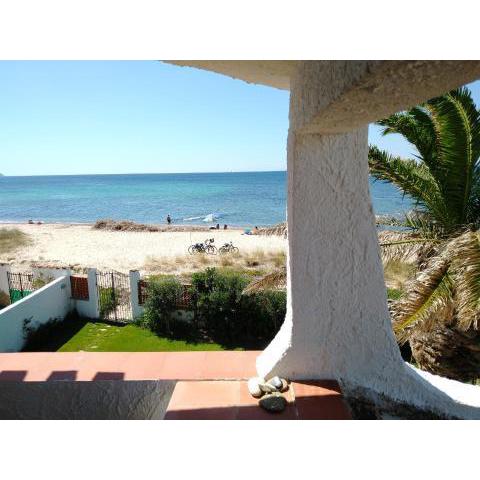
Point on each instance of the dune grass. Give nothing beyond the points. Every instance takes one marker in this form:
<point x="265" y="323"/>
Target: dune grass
<point x="258" y="261"/>
<point x="12" y="238"/>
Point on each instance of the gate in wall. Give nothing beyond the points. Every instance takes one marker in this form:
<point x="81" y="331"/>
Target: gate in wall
<point x="20" y="285"/>
<point x="114" y="296"/>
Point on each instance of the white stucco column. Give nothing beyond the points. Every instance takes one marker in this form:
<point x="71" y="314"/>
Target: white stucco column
<point x="91" y="308"/>
<point x="337" y="311"/>
<point x="134" y="278"/>
<point x="337" y="324"/>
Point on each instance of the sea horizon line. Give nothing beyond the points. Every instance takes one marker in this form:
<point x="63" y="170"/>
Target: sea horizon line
<point x="139" y="173"/>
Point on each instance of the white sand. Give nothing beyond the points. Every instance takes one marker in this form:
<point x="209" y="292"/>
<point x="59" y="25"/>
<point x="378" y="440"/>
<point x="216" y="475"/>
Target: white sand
<point x="80" y="246"/>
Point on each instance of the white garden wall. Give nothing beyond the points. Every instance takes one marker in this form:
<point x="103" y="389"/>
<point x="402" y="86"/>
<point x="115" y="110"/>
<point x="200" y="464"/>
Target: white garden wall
<point x="49" y="302"/>
<point x="89" y="308"/>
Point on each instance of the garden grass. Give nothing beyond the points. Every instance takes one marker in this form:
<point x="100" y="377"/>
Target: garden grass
<point x="105" y="337"/>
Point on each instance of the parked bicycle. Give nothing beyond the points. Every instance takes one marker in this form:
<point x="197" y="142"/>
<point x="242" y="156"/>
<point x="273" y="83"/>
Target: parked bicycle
<point x="228" y="248"/>
<point x="206" y="247"/>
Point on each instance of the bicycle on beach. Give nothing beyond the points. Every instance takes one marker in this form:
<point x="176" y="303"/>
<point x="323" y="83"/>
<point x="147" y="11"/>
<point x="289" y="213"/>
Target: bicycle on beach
<point x="228" y="248"/>
<point x="205" y="247"/>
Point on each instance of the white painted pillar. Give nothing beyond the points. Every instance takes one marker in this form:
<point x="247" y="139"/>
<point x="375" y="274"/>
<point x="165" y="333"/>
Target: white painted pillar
<point x="337" y="324"/>
<point x="91" y="308"/>
<point x="137" y="309"/>
<point x="337" y="311"/>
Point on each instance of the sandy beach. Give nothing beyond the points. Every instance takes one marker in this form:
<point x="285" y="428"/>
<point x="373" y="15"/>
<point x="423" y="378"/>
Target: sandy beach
<point x="81" y="246"/>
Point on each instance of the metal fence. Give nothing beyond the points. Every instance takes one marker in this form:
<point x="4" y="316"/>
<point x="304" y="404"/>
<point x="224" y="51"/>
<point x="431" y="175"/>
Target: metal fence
<point x="184" y="300"/>
<point x="114" y="297"/>
<point x="20" y="285"/>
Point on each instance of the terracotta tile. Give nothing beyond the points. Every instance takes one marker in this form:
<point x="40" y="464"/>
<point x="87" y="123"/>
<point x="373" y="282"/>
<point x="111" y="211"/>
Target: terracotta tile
<point x="307" y="388"/>
<point x="322" y="408"/>
<point x="144" y="366"/>
<point x="228" y="413"/>
<point x="220" y="400"/>
<point x="204" y="394"/>
<point x="229" y="365"/>
<point x="319" y="400"/>
<point x="183" y="365"/>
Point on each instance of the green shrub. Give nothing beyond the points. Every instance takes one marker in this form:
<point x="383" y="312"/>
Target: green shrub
<point x="162" y="296"/>
<point x="233" y="319"/>
<point x="106" y="300"/>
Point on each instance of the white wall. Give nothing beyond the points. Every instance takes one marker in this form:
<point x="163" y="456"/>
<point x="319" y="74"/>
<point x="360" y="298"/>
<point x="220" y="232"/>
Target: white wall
<point x="89" y="308"/>
<point x="49" y="302"/>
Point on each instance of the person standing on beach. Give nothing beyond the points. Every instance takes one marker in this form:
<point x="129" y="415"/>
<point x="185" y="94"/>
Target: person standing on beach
<point x="169" y="219"/>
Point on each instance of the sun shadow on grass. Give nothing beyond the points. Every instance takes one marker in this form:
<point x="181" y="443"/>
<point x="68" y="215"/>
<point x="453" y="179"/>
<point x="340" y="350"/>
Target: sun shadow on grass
<point x="60" y="333"/>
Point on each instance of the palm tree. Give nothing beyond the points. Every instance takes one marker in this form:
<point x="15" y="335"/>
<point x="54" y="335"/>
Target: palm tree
<point x="439" y="315"/>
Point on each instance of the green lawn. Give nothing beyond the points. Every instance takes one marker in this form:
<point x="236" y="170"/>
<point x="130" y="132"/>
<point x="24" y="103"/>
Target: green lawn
<point x="74" y="335"/>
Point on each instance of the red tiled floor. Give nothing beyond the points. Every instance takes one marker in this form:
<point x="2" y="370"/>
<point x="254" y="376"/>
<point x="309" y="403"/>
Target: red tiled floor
<point x="228" y="400"/>
<point x="319" y="400"/>
<point x="38" y="366"/>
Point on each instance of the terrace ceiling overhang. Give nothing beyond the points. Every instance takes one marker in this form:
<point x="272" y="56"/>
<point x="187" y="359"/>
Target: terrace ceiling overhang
<point x="366" y="90"/>
<point x="272" y="73"/>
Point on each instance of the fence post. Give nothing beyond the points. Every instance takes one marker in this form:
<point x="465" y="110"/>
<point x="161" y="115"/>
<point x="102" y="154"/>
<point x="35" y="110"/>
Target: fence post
<point x="137" y="309"/>
<point x="4" y="287"/>
<point x="94" y="311"/>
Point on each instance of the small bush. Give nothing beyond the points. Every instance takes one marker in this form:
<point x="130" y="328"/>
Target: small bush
<point x="41" y="281"/>
<point x="162" y="297"/>
<point x="233" y="319"/>
<point x="106" y="300"/>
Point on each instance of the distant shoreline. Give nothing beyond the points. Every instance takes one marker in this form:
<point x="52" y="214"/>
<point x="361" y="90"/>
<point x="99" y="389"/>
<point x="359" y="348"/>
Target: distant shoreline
<point x="180" y="227"/>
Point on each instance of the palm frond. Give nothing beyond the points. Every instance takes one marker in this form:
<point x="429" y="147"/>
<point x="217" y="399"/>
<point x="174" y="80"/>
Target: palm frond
<point x="457" y="127"/>
<point x="411" y="177"/>
<point x="417" y="128"/>
<point x="466" y="261"/>
<point x="272" y="281"/>
<point x="408" y="247"/>
<point x="429" y="299"/>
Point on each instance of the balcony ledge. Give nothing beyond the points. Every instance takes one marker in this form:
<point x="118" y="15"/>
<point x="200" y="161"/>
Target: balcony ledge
<point x="173" y="385"/>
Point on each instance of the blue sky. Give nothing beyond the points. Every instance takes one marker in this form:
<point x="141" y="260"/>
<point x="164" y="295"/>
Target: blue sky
<point x="141" y="116"/>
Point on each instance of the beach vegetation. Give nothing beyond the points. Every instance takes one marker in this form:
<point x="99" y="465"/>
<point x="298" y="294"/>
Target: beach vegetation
<point x="439" y="312"/>
<point x="11" y="239"/>
<point x="161" y="302"/>
<point x="256" y="262"/>
<point x="232" y="318"/>
<point x="106" y="301"/>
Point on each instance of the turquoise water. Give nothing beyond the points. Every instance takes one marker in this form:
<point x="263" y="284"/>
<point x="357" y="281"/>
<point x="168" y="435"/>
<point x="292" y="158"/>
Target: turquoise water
<point x="247" y="199"/>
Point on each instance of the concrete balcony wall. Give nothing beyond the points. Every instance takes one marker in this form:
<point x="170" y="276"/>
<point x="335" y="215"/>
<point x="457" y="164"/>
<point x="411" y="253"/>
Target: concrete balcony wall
<point x="49" y="302"/>
<point x="98" y="400"/>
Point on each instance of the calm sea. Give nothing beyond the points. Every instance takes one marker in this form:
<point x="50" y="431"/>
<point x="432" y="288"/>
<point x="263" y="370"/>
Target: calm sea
<point x="247" y="199"/>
